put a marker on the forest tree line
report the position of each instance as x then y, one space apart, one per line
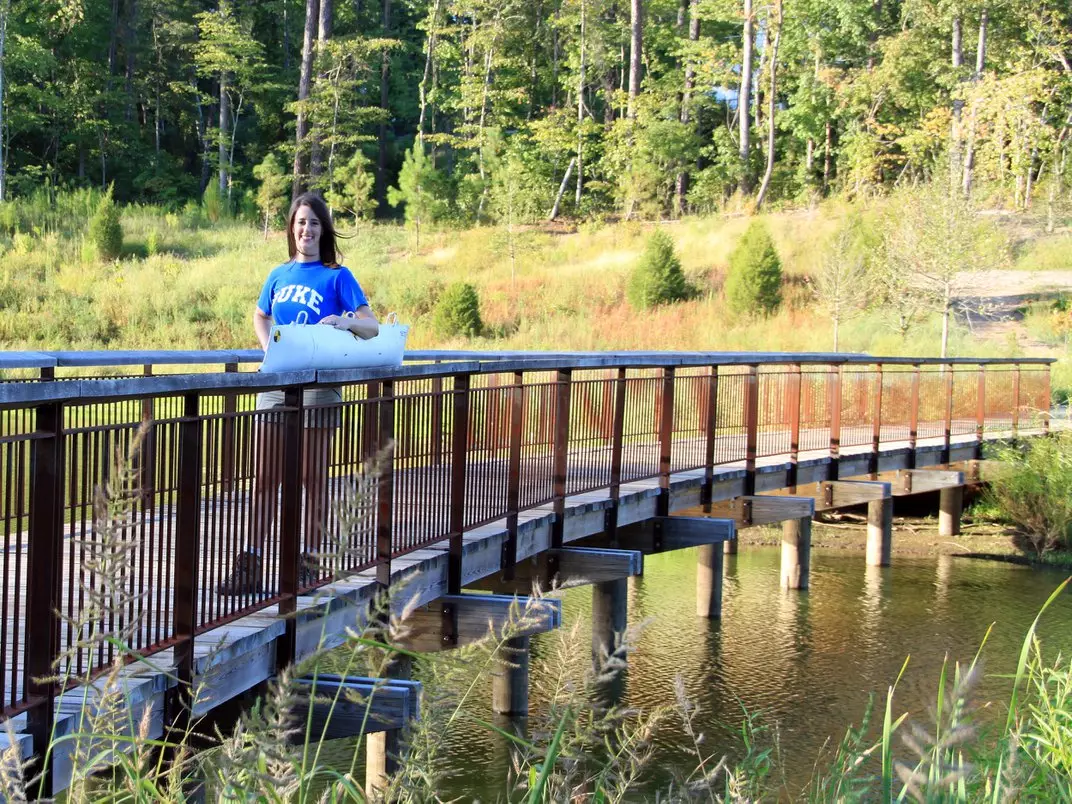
513 110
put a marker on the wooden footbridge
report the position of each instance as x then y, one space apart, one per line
456 472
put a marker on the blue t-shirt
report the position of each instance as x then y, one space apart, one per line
312 288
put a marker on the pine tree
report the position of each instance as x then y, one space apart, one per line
270 195
457 311
105 231
420 188
754 284
657 277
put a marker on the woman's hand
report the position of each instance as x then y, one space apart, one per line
337 321
363 324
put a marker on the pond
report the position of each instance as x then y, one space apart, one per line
804 664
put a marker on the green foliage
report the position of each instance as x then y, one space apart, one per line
1032 492
274 183
105 231
754 284
352 187
212 203
657 278
457 312
421 190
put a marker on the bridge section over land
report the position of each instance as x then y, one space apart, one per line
461 465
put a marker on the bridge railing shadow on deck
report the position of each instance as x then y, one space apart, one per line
458 440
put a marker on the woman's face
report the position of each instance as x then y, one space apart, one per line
307 231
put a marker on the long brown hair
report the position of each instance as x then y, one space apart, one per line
329 254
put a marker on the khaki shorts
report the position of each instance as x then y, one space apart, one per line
312 398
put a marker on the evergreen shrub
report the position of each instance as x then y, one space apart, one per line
457 312
754 283
105 232
657 278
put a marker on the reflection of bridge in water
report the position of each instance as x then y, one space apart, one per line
491 466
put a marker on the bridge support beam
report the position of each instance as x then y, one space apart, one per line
879 532
610 616
709 559
455 620
510 685
730 548
796 553
950 509
565 567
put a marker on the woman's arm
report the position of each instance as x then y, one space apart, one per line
262 325
363 323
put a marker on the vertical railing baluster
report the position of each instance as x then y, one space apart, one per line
187 539
913 417
610 517
980 411
1016 401
44 570
227 438
290 521
513 480
458 458
386 483
947 433
1047 397
666 440
560 458
835 421
751 428
437 420
876 421
794 423
711 425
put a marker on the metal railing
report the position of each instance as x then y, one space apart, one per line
459 441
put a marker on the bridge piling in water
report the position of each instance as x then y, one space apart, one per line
709 565
796 553
510 684
610 616
879 532
383 749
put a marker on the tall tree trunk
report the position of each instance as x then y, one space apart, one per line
765 185
286 35
980 65
827 145
611 20
130 43
225 129
429 52
636 40
682 184
561 190
744 96
325 22
381 134
5 8
555 55
955 157
580 109
305 80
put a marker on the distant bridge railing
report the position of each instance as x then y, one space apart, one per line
459 439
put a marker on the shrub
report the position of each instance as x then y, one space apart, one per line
754 284
212 202
457 312
105 233
657 277
1031 491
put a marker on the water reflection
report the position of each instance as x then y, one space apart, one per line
804 661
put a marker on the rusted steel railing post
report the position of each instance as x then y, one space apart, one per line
835 421
980 411
710 431
437 420
1048 396
947 430
290 521
793 401
876 421
560 457
385 485
666 440
459 445
187 541
369 438
751 428
913 417
43 577
513 481
1016 401
227 437
610 517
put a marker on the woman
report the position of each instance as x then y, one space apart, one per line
311 287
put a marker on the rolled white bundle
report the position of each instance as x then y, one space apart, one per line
301 347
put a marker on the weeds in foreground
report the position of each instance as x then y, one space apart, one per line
581 745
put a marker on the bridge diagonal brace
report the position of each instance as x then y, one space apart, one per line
475 617
764 509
